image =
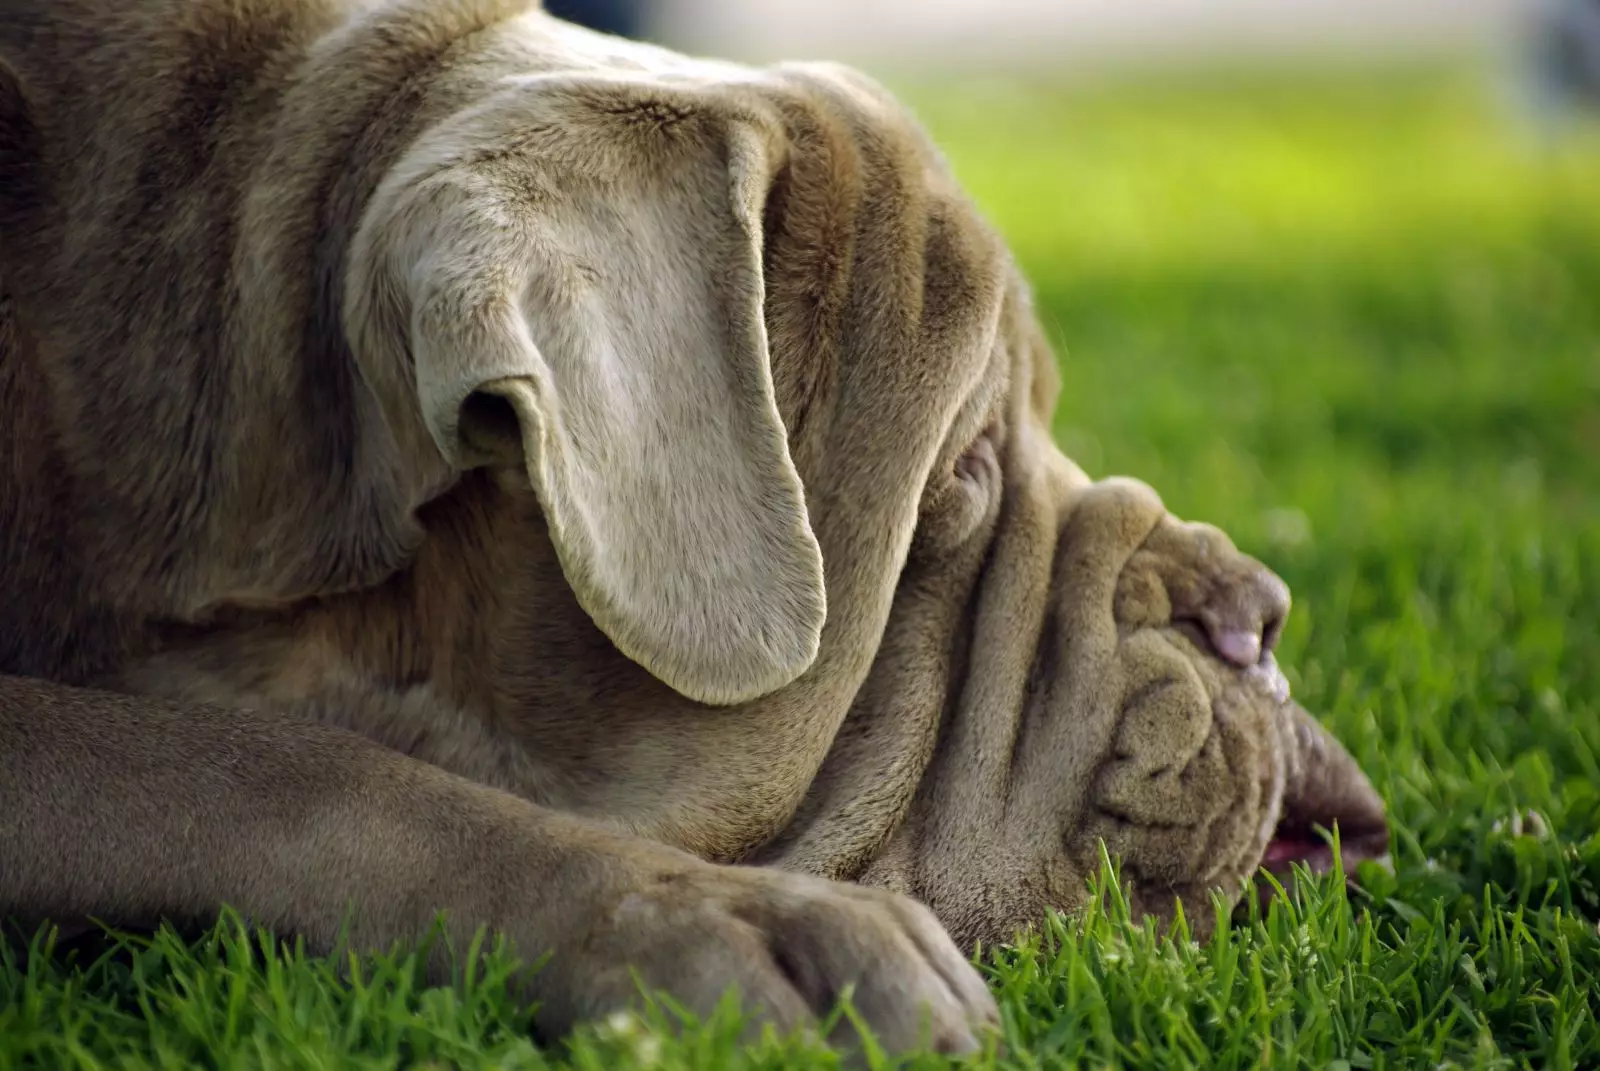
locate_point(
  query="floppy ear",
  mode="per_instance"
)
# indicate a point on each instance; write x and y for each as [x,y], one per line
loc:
[576,270]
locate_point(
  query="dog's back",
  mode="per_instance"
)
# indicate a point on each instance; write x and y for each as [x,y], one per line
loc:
[71,70]
[132,141]
[49,627]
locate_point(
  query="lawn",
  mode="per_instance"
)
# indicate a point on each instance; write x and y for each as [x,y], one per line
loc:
[1356,322]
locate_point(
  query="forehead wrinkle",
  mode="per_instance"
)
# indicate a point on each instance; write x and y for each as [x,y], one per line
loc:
[984,402]
[869,235]
[810,225]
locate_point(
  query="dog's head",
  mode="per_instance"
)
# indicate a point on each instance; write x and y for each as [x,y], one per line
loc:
[786,563]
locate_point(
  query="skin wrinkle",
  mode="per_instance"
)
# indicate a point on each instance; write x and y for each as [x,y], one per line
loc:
[564,465]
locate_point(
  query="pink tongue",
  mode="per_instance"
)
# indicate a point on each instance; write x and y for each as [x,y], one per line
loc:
[1238,646]
[1290,848]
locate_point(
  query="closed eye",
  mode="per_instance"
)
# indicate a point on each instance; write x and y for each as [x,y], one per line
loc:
[980,461]
[963,501]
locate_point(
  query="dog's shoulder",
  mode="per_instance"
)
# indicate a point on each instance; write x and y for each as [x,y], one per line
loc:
[129,138]
[181,421]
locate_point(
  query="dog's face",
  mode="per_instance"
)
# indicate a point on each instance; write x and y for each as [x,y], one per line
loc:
[778,560]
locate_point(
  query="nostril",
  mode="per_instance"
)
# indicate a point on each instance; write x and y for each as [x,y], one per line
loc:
[1276,602]
[1272,632]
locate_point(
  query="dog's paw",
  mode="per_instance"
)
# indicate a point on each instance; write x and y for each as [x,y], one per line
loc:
[1192,577]
[790,944]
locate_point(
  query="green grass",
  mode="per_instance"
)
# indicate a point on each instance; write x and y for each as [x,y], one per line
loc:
[1357,323]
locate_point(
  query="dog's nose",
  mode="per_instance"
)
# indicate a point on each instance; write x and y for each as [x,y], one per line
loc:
[1191,575]
[1244,611]
[1239,604]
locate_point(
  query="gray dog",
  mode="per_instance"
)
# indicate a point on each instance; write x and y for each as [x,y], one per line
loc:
[451,460]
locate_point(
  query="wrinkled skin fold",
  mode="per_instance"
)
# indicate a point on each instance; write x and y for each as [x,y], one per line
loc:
[456,461]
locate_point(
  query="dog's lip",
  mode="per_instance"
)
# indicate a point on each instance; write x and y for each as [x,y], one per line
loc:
[1308,847]
[1327,794]
[1295,843]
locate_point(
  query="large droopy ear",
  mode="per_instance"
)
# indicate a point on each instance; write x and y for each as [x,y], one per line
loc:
[574,270]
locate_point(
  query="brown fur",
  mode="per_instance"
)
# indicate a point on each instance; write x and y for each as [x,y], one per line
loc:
[453,460]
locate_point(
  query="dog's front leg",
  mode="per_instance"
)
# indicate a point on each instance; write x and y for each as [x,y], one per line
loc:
[123,807]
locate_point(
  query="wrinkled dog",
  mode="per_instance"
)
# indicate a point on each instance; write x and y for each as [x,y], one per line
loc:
[456,461]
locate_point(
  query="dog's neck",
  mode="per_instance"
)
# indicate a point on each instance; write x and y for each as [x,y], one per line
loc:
[411,662]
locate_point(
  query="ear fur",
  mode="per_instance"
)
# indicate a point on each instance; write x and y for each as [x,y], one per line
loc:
[569,277]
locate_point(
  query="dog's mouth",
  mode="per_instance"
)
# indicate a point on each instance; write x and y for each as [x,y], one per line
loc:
[1294,842]
[1327,793]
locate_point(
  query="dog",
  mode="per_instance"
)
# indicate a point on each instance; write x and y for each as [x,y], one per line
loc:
[458,462]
